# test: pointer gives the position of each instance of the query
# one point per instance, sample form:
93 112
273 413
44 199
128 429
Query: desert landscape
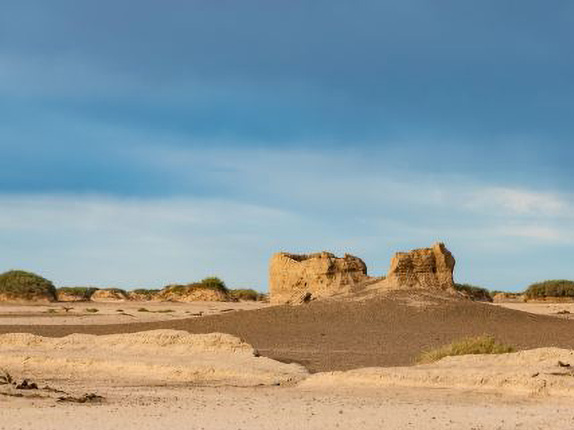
330 347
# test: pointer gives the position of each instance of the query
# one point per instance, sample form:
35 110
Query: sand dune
153 357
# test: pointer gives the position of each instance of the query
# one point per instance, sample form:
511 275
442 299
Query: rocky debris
297 278
425 268
26 385
109 295
85 398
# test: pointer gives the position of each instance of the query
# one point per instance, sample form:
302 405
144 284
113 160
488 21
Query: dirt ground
97 313
340 335
323 336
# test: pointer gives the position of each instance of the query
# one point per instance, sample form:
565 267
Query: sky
147 143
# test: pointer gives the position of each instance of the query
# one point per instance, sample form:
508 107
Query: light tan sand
113 313
145 358
543 371
556 309
272 408
149 380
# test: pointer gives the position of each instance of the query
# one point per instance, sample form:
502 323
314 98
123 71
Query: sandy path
288 408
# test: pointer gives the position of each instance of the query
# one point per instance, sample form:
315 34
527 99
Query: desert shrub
83 292
116 290
18 284
470 345
552 288
245 294
474 293
92 310
214 283
145 292
143 310
211 283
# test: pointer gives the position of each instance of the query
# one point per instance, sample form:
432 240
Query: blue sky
143 143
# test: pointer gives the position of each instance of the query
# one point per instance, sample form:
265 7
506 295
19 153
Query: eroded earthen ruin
295 279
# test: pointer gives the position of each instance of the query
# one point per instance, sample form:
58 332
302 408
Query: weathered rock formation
142 295
191 293
298 278
426 268
295 279
109 295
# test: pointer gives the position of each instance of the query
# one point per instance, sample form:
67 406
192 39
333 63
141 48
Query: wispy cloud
521 202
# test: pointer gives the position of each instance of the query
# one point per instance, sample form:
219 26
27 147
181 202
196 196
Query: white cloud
520 202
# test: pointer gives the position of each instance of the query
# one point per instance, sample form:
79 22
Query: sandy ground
82 313
287 408
341 335
562 310
157 380
305 406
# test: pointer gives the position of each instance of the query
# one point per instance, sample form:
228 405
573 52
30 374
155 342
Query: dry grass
466 346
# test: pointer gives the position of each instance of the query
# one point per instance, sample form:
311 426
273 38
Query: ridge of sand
152 357
538 371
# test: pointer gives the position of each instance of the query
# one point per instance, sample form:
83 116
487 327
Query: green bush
83 292
245 294
145 292
211 283
20 285
552 288
214 283
474 293
470 345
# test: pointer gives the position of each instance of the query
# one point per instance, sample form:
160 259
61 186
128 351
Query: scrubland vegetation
247 294
21 285
556 289
83 293
466 346
474 293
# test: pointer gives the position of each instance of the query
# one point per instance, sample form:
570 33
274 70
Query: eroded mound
296 279
538 371
152 357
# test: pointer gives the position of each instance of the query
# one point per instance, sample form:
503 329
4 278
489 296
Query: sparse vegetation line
470 345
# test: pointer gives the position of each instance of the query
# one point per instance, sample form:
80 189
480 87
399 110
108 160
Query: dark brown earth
337 335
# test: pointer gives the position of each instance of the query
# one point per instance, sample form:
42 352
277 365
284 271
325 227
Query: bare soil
341 335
